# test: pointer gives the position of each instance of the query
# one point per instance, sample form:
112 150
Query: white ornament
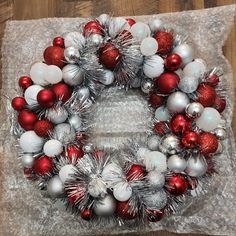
66 172
209 120
153 66
71 54
52 148
30 142
153 142
140 31
162 114
122 191
108 77
195 68
111 173
64 133
38 73
31 94
55 187
177 102
188 84
75 121
155 161
72 74
74 39
156 25
53 74
117 25
104 19
142 152
185 51
105 206
176 163
97 188
57 115
196 166
27 160
149 46
156 179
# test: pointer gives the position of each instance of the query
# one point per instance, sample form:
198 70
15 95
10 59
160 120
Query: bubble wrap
118 115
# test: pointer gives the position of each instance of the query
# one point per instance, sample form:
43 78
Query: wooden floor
33 9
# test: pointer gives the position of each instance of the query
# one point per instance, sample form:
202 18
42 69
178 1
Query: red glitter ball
43 127
165 41
180 124
206 95
208 143
161 128
156 100
220 104
190 139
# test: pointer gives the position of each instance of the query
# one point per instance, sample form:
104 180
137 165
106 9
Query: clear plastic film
26 211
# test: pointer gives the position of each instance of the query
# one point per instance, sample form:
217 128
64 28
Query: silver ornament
27 160
156 179
176 163
194 109
74 39
220 133
107 78
64 133
88 148
95 39
156 200
153 142
170 144
105 206
55 187
83 94
188 84
57 115
71 54
156 25
146 85
186 52
75 121
97 188
72 74
196 166
136 82
177 102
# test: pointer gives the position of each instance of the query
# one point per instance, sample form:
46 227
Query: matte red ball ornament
93 27
43 165
154 215
213 80
167 82
46 98
176 184
190 139
179 124
54 55
136 172
173 62
27 119
123 210
130 21
156 100
165 41
25 81
75 152
219 104
43 127
86 214
161 128
18 103
109 56
63 91
206 95
59 42
208 143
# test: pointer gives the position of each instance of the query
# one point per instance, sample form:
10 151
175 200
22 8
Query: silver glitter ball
55 187
196 166
146 85
71 54
64 133
27 160
176 163
170 144
220 133
194 109
57 115
156 179
177 102
95 39
156 200
88 148
72 74
83 94
153 142
75 121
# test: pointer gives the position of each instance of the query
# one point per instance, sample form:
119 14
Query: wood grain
33 9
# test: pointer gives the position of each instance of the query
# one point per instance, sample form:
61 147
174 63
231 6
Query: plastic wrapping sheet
26 211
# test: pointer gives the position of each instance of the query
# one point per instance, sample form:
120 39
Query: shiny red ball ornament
43 127
213 80
43 165
165 41
156 100
136 172
54 55
63 91
130 21
59 42
206 95
27 119
208 143
46 98
190 139
29 173
18 103
219 104
177 184
154 215
167 82
173 62
86 214
75 198
74 152
109 56
179 124
123 210
161 128
25 82
93 27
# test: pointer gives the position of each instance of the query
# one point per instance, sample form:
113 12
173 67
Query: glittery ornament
190 139
165 41
206 95
43 127
179 124
161 128
156 100
208 143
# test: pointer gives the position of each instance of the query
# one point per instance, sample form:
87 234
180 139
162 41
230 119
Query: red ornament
192 183
130 21
93 27
74 152
86 214
190 139
109 56
43 165
75 198
59 42
208 143
46 98
173 62
161 128
125 35
165 41
18 103
206 95
213 80
123 210
154 215
167 82
24 82
176 184
136 172
29 173
179 124
219 104
156 100
43 127
63 91
54 55
27 119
